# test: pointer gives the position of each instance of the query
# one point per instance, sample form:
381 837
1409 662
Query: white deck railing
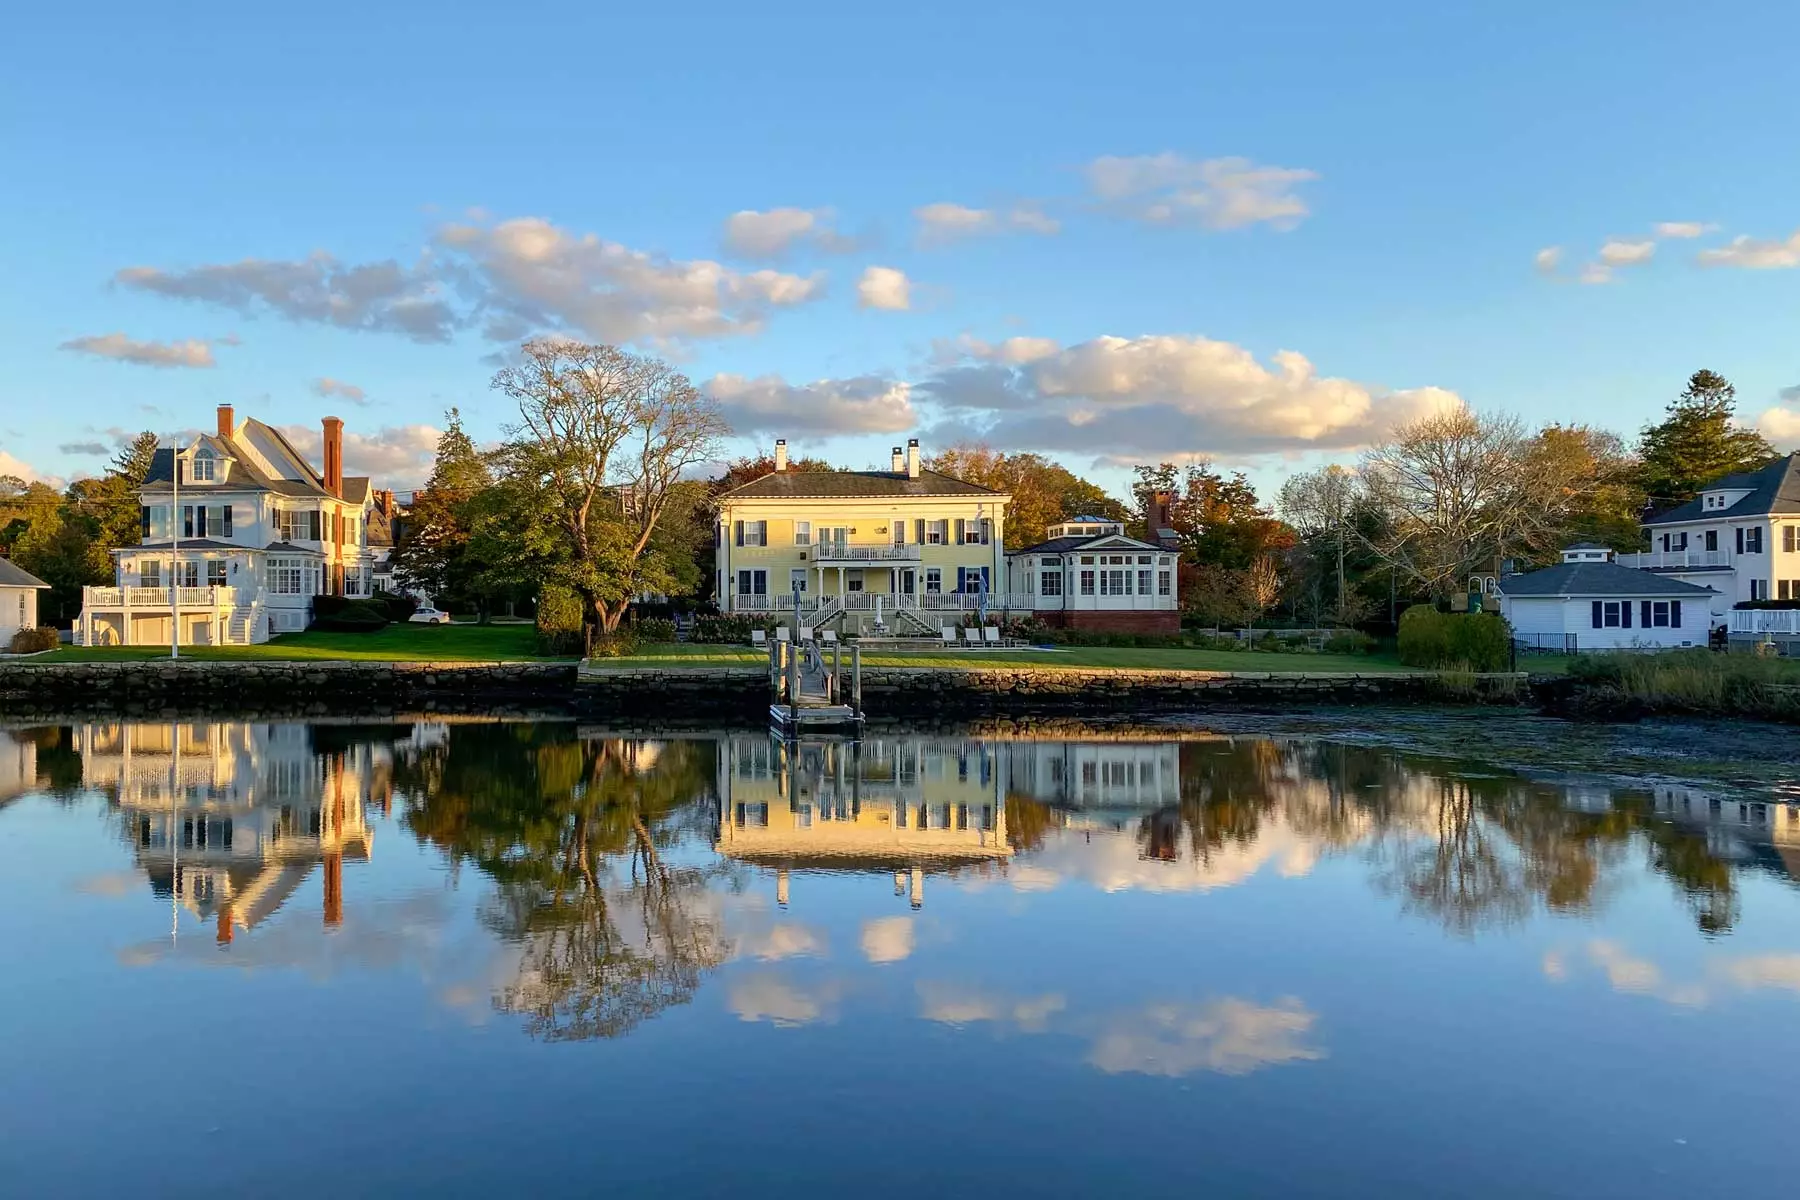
1765 620
1674 560
154 597
835 552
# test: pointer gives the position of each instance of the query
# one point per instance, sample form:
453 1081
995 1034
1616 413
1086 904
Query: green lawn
395 643
689 655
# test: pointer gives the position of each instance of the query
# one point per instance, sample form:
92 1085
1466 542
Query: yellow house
907 548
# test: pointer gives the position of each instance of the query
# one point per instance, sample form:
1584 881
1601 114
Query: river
482 958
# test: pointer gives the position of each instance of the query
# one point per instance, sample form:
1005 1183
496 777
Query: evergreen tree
433 555
1698 442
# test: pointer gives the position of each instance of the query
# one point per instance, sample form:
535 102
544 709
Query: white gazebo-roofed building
1089 575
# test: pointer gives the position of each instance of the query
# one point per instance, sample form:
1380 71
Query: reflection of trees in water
574 832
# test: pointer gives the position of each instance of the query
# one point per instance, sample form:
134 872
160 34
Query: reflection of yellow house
1095 774
229 819
906 805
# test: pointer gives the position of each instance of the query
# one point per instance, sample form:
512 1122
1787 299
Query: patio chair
949 632
758 638
828 636
806 633
782 634
972 636
991 635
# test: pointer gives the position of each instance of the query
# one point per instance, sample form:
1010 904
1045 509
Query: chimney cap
912 441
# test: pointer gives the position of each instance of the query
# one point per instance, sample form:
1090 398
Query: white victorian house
1589 602
238 533
1740 537
1089 575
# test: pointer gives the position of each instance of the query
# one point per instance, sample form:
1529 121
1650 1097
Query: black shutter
226 513
199 520
1625 614
1740 539
1675 614
1599 616
143 523
962 527
738 532
987 532
1645 614
919 528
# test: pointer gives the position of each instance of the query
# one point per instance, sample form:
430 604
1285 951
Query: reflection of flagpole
174 832
175 552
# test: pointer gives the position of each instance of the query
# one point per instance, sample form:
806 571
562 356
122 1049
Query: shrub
559 629
341 614
397 607
1693 680
620 643
1349 641
1466 641
654 629
31 641
725 630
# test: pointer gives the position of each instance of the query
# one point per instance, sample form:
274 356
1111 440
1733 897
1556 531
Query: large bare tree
603 439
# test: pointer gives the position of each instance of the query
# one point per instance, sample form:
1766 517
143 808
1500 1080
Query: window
802 533
797 580
296 525
753 583
834 540
937 533
1143 560
215 572
187 574
1143 582
1087 581
204 467
970 580
1163 583
1759 589
934 580
1661 614
1790 535
1087 560
1712 539
899 532
350 538
284 576
1612 614
1753 540
149 574
1050 583
853 581
756 533
1790 589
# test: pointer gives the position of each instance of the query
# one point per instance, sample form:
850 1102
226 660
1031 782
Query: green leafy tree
1698 441
434 553
1043 492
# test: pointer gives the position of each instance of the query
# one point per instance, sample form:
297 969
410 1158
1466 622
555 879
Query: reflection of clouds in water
115 883
1114 861
1628 973
787 940
887 939
766 996
952 1004
1228 1036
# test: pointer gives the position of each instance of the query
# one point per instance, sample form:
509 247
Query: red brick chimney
384 500
334 456
225 420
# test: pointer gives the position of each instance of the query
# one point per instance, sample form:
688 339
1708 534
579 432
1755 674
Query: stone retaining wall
324 688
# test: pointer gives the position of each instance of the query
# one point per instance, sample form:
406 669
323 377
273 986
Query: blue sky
1178 230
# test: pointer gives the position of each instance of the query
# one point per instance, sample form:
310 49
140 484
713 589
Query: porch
1765 622
148 616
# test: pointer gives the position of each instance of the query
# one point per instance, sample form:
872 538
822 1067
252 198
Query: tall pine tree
1698 442
433 555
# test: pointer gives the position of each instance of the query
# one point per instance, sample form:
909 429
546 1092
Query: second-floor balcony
1677 560
833 553
157 597
1760 621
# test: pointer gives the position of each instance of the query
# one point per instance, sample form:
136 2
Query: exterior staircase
912 621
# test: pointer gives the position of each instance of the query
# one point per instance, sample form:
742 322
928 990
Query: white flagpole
175 553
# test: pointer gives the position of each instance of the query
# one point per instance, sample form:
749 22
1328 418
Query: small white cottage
1589 602
18 601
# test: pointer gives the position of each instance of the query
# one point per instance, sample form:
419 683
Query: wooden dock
809 696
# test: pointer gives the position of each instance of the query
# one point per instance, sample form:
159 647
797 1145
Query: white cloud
1618 253
768 404
766 996
396 456
1214 193
192 352
531 274
1754 254
328 387
778 231
379 297
1782 425
1228 1036
946 222
884 287
1547 260
1595 273
1683 229
951 1004
1144 396
20 469
887 939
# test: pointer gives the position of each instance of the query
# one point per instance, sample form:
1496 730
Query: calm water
501 959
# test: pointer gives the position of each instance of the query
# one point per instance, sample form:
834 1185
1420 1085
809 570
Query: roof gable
855 485
1772 489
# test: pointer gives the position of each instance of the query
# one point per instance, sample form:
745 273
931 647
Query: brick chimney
1156 515
899 463
226 420
384 500
912 458
781 454
334 456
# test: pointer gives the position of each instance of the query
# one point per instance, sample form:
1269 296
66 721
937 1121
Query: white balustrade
1755 621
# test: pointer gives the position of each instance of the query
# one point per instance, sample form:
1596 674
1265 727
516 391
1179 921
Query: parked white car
429 616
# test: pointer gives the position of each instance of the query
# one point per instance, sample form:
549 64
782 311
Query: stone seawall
299 688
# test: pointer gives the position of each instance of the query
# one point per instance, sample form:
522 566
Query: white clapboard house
1590 602
241 546
1089 575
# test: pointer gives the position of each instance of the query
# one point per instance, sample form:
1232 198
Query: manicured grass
1129 658
395 643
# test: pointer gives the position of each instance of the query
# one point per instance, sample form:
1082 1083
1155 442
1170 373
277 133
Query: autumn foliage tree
1043 492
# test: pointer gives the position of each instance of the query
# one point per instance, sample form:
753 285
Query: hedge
559 625
31 641
1468 641
342 614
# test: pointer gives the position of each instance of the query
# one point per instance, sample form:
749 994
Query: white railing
155 597
836 552
1765 620
971 601
1674 560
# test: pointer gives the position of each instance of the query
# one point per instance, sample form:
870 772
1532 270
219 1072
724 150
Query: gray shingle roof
853 485
15 576
247 476
186 544
1773 489
1063 545
1596 579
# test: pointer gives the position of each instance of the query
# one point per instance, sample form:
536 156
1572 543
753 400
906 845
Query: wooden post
837 671
856 680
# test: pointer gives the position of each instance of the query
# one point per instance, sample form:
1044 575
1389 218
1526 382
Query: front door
907 583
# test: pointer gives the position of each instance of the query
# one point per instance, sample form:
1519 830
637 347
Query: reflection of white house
1089 575
907 805
1589 602
254 534
1094 775
231 819
18 600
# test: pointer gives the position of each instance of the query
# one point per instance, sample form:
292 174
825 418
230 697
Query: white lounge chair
758 638
949 632
806 633
782 634
972 636
828 636
991 635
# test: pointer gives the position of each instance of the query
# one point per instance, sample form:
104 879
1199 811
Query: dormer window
205 466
